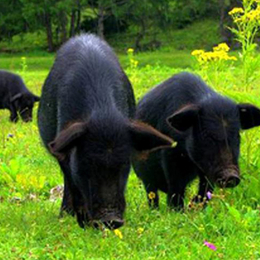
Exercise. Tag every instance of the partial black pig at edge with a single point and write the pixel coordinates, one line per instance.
(15, 97)
(85, 121)
(206, 127)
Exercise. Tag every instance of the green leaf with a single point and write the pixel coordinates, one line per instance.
(235, 213)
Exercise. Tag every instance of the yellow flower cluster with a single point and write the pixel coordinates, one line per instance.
(130, 50)
(241, 15)
(219, 53)
(253, 15)
(221, 47)
(236, 10)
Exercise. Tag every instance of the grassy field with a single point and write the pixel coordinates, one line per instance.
(29, 223)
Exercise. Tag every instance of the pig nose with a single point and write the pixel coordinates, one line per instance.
(229, 181)
(232, 181)
(113, 223)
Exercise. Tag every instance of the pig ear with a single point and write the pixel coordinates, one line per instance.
(249, 116)
(145, 137)
(184, 118)
(67, 139)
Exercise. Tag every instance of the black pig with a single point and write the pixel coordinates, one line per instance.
(206, 127)
(16, 97)
(85, 121)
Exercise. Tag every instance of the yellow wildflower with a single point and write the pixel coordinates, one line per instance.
(118, 233)
(130, 50)
(140, 230)
(222, 47)
(197, 52)
(151, 195)
(236, 10)
(219, 53)
(253, 15)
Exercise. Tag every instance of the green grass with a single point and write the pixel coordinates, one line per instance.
(40, 61)
(30, 227)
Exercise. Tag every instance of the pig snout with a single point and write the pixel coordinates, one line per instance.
(110, 220)
(113, 222)
(228, 179)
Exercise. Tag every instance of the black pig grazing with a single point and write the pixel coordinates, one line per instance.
(84, 120)
(206, 127)
(16, 97)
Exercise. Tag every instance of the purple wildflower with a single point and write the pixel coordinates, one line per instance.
(210, 245)
(209, 195)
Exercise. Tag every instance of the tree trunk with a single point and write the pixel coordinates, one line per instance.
(72, 23)
(47, 21)
(226, 20)
(63, 20)
(101, 21)
(222, 18)
(140, 36)
(77, 30)
(57, 34)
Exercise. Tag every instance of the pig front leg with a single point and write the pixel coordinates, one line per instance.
(178, 173)
(67, 200)
(13, 115)
(205, 190)
(72, 202)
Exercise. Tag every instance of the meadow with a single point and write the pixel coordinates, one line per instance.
(30, 227)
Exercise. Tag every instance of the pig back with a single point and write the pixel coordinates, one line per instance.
(85, 77)
(169, 96)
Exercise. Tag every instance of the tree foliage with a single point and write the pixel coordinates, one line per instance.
(61, 19)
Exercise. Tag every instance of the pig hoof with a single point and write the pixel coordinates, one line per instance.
(81, 220)
(65, 211)
(14, 119)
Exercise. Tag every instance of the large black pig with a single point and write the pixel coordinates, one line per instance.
(16, 97)
(206, 127)
(85, 122)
